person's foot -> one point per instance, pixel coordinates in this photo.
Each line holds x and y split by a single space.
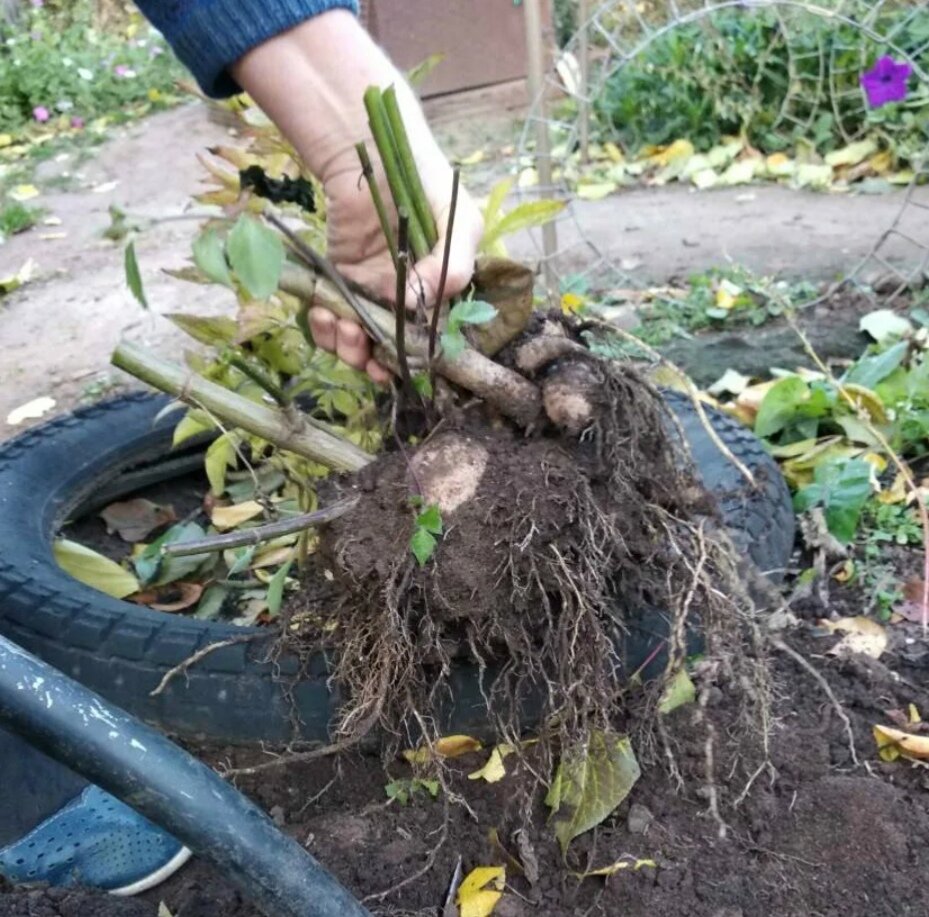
95 841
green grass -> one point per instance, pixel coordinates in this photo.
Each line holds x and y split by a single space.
16 217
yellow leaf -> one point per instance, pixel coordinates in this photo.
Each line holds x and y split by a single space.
154 95
893 743
31 410
571 303
845 572
493 771
779 165
94 570
912 714
6 140
727 295
230 517
852 154
611 870
445 747
24 193
867 401
740 173
596 191
472 160
705 178
678 691
613 152
680 149
480 891
863 635
896 493
881 162
811 175
730 382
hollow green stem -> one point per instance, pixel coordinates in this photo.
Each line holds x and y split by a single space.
367 170
411 177
386 148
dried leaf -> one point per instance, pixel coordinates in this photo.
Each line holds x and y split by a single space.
863 635
135 520
852 154
480 891
493 770
731 382
444 747
22 193
94 570
590 783
895 743
172 598
626 862
31 410
231 517
595 191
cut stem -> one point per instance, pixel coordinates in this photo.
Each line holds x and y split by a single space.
367 170
403 258
293 432
261 533
443 278
386 148
414 184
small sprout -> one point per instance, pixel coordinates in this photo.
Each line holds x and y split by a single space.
427 526
471 312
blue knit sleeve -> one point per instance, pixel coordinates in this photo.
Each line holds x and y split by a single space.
210 35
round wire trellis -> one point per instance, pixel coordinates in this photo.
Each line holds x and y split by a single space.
848 36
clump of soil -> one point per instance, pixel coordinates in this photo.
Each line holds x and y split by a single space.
548 541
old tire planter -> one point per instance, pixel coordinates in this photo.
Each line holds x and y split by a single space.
122 651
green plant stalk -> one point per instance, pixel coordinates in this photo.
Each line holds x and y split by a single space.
367 170
446 257
292 432
260 378
411 177
384 141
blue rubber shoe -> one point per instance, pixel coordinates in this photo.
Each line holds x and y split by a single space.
95 841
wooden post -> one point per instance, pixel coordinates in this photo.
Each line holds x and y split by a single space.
583 53
535 47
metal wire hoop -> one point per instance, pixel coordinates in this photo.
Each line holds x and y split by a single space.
620 31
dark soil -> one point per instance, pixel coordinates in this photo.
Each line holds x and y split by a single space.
822 837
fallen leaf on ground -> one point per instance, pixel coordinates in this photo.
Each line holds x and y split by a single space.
679 691
480 891
590 783
627 862
11 282
171 599
135 520
230 517
445 747
493 770
93 569
885 326
496 845
895 743
23 193
911 608
862 635
31 410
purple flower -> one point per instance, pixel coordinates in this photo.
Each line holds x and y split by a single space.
40 113
886 82
121 70
77 122
38 2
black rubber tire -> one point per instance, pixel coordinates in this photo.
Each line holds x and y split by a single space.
122 650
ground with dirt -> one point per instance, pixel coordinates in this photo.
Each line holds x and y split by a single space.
58 332
818 835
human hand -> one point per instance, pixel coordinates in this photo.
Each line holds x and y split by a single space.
327 63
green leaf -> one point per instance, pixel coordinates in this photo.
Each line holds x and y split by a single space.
215 331
430 519
219 458
193 423
256 254
157 569
679 690
591 781
422 544
470 312
494 205
525 216
430 786
780 405
210 257
398 790
416 75
869 371
211 603
276 589
133 277
423 385
453 343
842 489
93 569
243 559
